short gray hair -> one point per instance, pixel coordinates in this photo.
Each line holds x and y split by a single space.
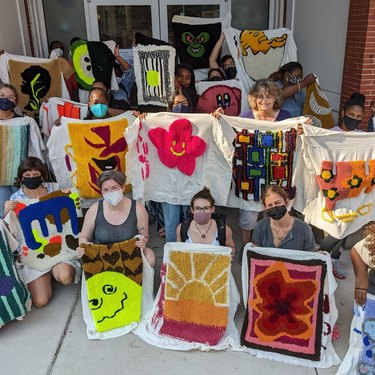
117 176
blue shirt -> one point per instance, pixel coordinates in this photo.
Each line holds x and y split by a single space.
294 104
126 84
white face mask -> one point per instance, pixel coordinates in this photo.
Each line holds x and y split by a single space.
114 197
56 53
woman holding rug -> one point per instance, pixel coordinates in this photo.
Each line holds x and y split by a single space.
31 177
115 218
203 227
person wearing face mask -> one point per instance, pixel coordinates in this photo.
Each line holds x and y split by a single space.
204 226
125 79
180 102
115 218
226 62
98 104
278 228
56 51
291 81
352 114
215 74
8 104
31 177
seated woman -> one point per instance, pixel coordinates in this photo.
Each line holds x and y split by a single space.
202 228
8 102
290 79
279 229
115 218
31 176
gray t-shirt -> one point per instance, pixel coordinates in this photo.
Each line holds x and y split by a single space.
300 237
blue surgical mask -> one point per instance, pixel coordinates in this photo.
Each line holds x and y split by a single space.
99 110
6 104
180 108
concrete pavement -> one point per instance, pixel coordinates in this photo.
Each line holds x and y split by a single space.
53 340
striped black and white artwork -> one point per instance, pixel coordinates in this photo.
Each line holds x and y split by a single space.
154 73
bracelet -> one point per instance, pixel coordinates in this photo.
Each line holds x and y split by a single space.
361 289
299 86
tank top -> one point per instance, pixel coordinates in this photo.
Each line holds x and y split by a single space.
106 233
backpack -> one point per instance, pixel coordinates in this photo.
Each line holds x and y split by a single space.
220 223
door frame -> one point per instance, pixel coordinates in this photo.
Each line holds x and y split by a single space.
91 14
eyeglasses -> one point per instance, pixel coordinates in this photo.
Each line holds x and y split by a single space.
205 209
10 97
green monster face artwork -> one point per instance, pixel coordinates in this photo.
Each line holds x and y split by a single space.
196 47
114 300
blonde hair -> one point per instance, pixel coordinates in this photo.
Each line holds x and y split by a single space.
270 87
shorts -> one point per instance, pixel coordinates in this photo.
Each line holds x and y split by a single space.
248 219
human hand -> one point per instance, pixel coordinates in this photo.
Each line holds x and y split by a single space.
142 241
309 79
116 51
217 114
10 205
360 295
372 106
66 190
57 122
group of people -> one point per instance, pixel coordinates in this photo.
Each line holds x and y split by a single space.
117 218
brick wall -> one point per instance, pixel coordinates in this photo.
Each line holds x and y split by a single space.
359 65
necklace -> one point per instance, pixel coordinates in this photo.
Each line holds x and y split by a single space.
280 232
203 235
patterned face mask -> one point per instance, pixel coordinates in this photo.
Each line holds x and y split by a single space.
294 80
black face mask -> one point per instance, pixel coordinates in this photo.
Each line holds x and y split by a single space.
6 104
215 78
351 123
277 212
32 183
230 73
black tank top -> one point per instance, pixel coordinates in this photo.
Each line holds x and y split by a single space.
106 233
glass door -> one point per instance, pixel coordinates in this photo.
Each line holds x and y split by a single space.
119 20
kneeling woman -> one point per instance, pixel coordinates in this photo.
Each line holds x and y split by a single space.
279 229
31 176
203 228
115 218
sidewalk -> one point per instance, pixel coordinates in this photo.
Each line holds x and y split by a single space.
53 340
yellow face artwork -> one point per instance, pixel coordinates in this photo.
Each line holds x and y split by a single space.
114 300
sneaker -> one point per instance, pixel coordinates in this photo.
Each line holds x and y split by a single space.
338 269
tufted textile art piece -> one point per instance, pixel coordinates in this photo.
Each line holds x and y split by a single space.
35 82
339 170
195 305
179 150
154 73
113 277
56 107
317 106
92 61
229 95
360 358
259 53
16 139
260 153
14 297
81 150
290 306
47 229
195 39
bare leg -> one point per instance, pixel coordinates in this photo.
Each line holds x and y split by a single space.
63 273
150 256
41 290
246 236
